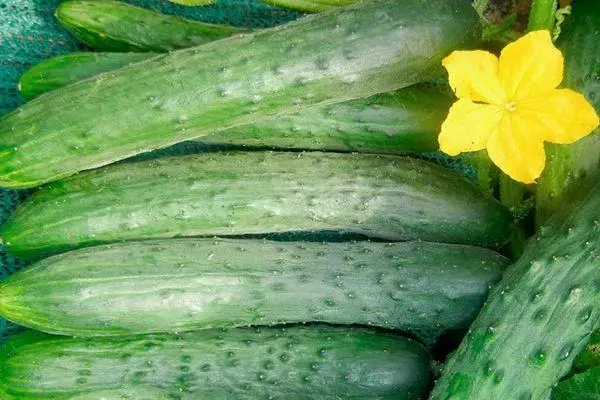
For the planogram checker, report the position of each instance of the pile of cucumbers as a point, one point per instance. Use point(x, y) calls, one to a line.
point(307, 254)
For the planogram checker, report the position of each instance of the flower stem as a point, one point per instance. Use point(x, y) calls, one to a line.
point(541, 15)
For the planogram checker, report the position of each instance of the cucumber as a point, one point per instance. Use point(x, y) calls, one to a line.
point(108, 25)
point(387, 197)
point(570, 165)
point(407, 120)
point(175, 285)
point(538, 318)
point(310, 6)
point(372, 47)
point(265, 363)
point(65, 69)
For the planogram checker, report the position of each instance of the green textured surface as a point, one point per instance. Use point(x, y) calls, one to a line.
point(29, 34)
point(347, 53)
point(386, 197)
point(176, 285)
point(295, 363)
point(537, 318)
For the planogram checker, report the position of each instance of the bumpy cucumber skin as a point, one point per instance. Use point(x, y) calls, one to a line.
point(115, 26)
point(277, 363)
point(569, 165)
point(537, 319)
point(387, 197)
point(310, 6)
point(65, 69)
point(403, 121)
point(406, 120)
point(184, 284)
point(372, 47)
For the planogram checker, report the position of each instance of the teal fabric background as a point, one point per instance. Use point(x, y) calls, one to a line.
point(29, 33)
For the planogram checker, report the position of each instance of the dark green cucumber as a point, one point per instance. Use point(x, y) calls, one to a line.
point(310, 6)
point(569, 165)
point(244, 364)
point(351, 52)
point(65, 69)
point(406, 120)
point(108, 25)
point(538, 318)
point(175, 285)
point(393, 198)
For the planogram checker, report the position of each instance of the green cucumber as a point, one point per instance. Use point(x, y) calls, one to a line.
point(407, 120)
point(569, 165)
point(310, 6)
point(178, 285)
point(393, 198)
point(65, 69)
point(403, 121)
point(538, 318)
point(108, 25)
point(351, 52)
point(264, 363)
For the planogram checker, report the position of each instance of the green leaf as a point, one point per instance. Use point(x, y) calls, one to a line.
point(585, 386)
point(590, 356)
point(193, 2)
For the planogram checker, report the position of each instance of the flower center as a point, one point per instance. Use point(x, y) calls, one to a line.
point(511, 106)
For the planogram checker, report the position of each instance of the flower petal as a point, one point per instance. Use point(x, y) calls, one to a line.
point(530, 66)
point(468, 127)
point(517, 154)
point(561, 116)
point(474, 75)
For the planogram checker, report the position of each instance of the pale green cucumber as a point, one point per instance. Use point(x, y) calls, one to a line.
point(387, 197)
point(348, 53)
point(538, 318)
point(178, 285)
point(295, 363)
point(108, 25)
point(65, 69)
point(407, 120)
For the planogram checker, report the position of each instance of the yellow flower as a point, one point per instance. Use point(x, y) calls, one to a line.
point(510, 105)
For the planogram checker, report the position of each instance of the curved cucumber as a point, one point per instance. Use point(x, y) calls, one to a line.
point(372, 47)
point(247, 364)
point(185, 284)
point(394, 198)
point(65, 69)
point(407, 120)
point(108, 25)
point(310, 6)
point(537, 318)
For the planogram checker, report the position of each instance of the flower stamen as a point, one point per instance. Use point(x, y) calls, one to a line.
point(511, 106)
